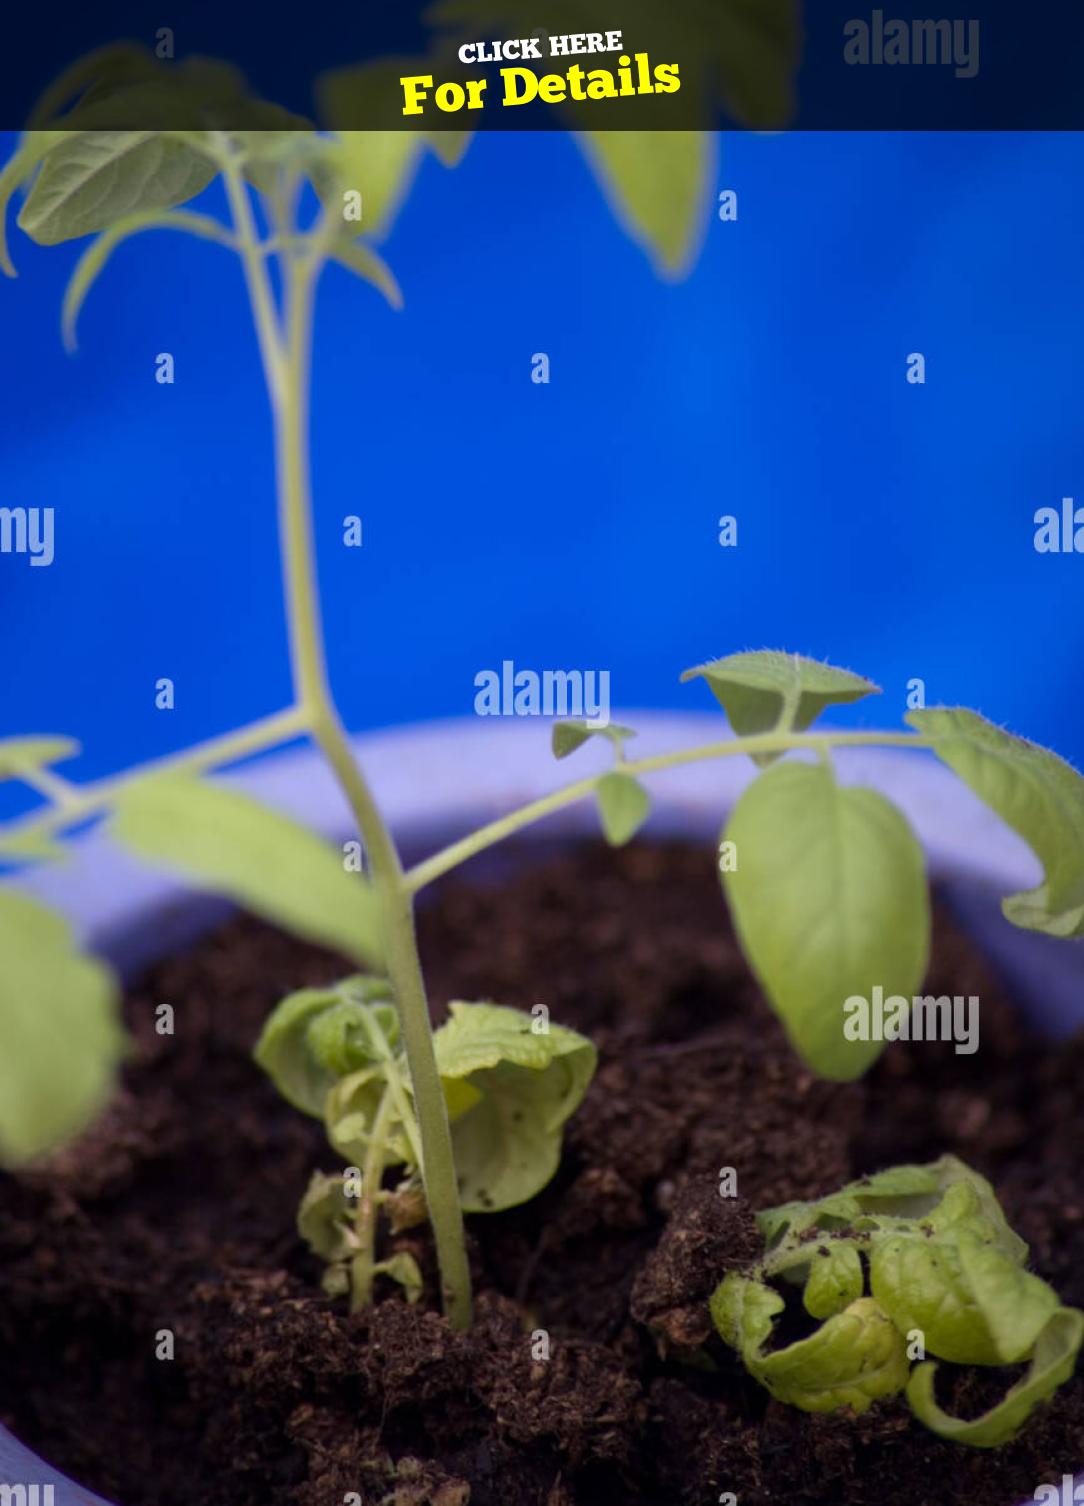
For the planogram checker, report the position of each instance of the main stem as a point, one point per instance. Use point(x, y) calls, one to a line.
point(287, 364)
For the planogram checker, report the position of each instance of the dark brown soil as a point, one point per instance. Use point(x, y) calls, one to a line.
point(177, 1213)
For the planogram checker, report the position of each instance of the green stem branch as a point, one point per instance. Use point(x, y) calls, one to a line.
point(87, 800)
point(768, 742)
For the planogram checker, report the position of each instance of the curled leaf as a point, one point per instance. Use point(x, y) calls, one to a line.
point(972, 1303)
point(325, 1218)
point(317, 1036)
point(1036, 793)
point(835, 1280)
point(402, 1268)
point(1052, 1363)
point(853, 1359)
point(523, 1083)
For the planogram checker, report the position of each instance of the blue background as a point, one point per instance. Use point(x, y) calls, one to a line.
point(882, 525)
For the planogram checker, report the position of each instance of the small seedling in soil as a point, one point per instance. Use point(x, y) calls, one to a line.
point(828, 889)
point(510, 1081)
point(913, 1261)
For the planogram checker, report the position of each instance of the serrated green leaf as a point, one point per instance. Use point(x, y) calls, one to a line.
point(60, 1036)
point(1036, 793)
point(623, 807)
point(657, 185)
point(317, 1036)
point(570, 735)
point(525, 1084)
point(829, 900)
point(769, 690)
point(255, 856)
point(94, 258)
point(325, 1218)
point(972, 1303)
point(1052, 1364)
point(364, 262)
point(95, 178)
point(20, 754)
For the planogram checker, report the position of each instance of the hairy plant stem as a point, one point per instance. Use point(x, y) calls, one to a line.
point(403, 1107)
point(287, 359)
point(365, 1220)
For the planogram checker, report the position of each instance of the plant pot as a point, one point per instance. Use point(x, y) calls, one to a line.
point(437, 782)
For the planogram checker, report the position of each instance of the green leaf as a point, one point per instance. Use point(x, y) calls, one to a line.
point(771, 691)
point(18, 755)
point(18, 846)
point(835, 1281)
point(526, 1081)
point(450, 147)
point(568, 736)
point(853, 1359)
point(96, 255)
point(98, 74)
point(403, 1268)
point(1052, 1364)
point(95, 178)
point(657, 185)
point(364, 262)
point(350, 1111)
point(744, 1311)
point(623, 806)
point(829, 900)
point(1036, 793)
point(944, 1193)
point(317, 1036)
point(255, 856)
point(380, 165)
point(325, 1218)
point(973, 1304)
point(18, 169)
point(60, 1036)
